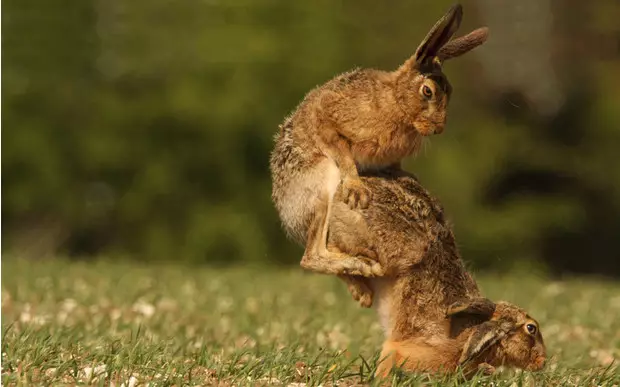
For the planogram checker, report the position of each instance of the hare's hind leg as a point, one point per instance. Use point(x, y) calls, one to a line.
point(319, 259)
point(358, 286)
point(348, 233)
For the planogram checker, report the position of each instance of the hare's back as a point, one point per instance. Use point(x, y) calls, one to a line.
point(400, 224)
point(401, 207)
point(408, 228)
point(416, 244)
point(355, 79)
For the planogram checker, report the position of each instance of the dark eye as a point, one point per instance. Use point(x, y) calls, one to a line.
point(427, 92)
point(531, 329)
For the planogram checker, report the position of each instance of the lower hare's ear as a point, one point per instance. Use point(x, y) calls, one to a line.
point(478, 306)
point(483, 337)
point(439, 35)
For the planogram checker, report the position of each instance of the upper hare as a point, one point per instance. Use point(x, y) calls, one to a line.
point(432, 311)
point(362, 120)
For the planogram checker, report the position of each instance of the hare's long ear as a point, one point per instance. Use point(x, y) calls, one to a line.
point(477, 306)
point(439, 35)
point(483, 337)
point(461, 45)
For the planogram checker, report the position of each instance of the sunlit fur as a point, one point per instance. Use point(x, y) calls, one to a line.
point(359, 121)
point(433, 313)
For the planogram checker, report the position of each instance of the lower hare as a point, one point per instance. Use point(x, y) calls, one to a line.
point(432, 311)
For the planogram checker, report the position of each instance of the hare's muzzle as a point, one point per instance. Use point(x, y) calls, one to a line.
point(538, 363)
point(428, 127)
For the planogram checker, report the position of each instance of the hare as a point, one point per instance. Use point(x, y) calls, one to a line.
point(478, 338)
point(432, 311)
point(361, 120)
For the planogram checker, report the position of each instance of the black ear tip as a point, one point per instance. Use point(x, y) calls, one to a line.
point(458, 10)
point(455, 13)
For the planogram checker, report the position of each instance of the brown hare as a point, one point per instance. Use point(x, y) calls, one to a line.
point(432, 311)
point(361, 120)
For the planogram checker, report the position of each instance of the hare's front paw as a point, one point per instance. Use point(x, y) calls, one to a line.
point(359, 290)
point(486, 368)
point(365, 300)
point(369, 268)
point(355, 193)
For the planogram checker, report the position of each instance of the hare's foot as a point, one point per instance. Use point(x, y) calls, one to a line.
point(367, 252)
point(355, 193)
point(337, 263)
point(319, 258)
point(486, 368)
point(388, 360)
point(359, 289)
point(470, 370)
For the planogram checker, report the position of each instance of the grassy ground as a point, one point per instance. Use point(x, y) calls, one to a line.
point(126, 324)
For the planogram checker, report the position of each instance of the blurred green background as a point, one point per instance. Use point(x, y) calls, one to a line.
point(143, 129)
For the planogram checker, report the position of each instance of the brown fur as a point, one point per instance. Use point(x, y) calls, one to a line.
point(361, 120)
point(458, 47)
point(433, 313)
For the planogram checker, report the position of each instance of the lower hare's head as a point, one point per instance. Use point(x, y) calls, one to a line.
point(421, 89)
point(504, 335)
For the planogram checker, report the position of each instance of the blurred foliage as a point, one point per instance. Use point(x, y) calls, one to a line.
point(143, 128)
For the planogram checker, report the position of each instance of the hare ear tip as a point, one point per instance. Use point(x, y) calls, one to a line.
point(457, 12)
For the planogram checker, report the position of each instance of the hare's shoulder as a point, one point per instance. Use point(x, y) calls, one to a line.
point(352, 79)
point(348, 86)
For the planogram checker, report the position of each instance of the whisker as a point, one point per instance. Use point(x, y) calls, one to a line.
point(417, 144)
point(427, 145)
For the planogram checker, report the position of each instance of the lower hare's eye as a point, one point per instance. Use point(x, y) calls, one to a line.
point(427, 92)
point(531, 329)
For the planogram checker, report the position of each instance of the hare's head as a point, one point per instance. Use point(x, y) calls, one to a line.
point(422, 90)
point(504, 335)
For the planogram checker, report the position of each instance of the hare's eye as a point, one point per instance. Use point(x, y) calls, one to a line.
point(531, 329)
point(427, 92)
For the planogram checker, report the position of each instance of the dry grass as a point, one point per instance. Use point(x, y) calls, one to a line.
point(118, 324)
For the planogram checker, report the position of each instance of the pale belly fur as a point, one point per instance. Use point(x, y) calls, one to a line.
point(304, 193)
point(382, 302)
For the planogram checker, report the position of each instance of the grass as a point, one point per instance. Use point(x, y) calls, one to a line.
point(122, 324)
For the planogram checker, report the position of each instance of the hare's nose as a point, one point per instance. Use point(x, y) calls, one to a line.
point(540, 362)
point(438, 129)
